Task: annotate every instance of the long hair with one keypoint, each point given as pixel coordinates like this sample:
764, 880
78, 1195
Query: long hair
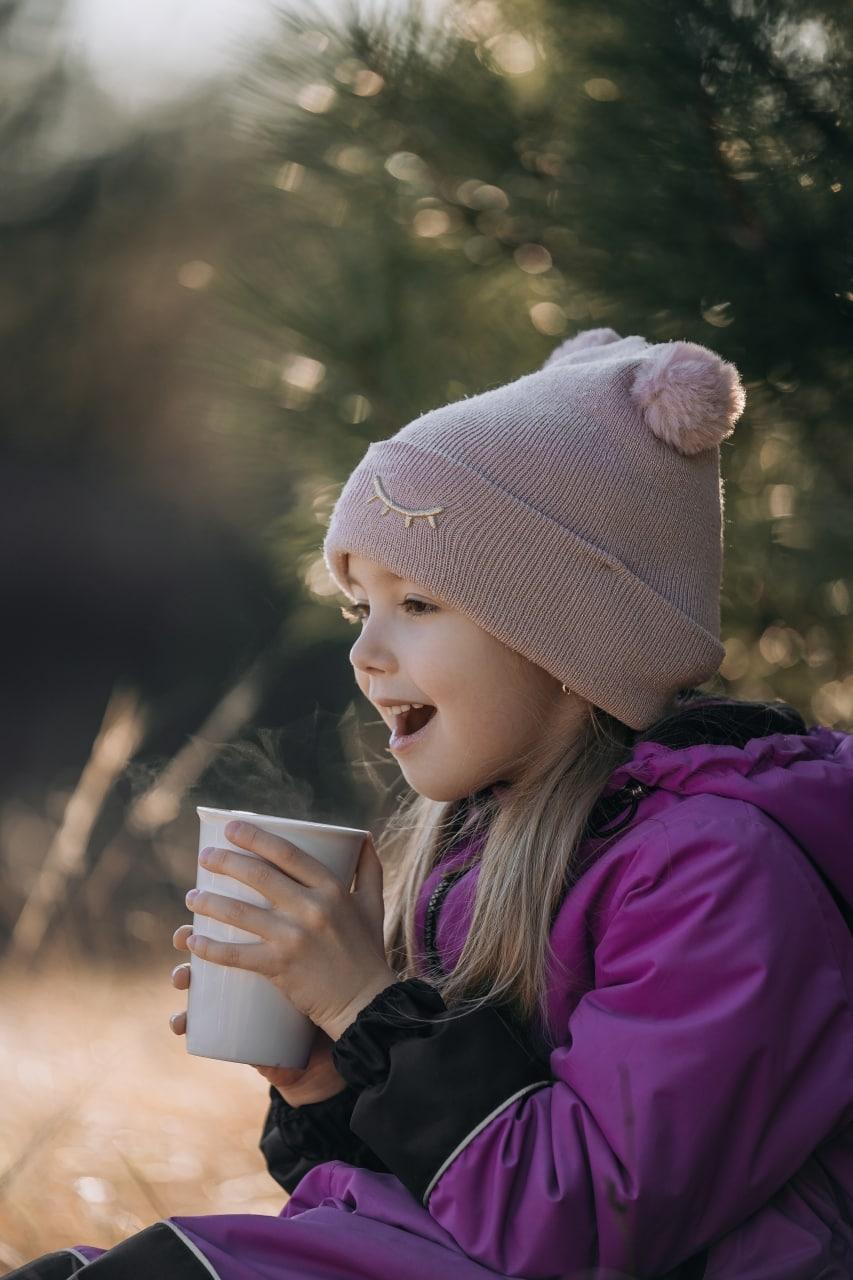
532, 842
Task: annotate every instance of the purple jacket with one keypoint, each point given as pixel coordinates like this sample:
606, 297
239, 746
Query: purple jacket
696, 1117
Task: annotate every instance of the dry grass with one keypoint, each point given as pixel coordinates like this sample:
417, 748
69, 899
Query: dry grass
107, 1123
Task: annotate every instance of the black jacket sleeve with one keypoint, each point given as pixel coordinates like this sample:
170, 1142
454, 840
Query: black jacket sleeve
426, 1078
295, 1139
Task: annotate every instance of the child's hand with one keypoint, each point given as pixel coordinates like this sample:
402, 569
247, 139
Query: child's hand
314, 1083
319, 944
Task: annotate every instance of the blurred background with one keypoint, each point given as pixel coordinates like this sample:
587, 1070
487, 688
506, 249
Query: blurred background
239, 241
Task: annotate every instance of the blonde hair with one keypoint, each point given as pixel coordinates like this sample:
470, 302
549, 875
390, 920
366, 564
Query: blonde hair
528, 861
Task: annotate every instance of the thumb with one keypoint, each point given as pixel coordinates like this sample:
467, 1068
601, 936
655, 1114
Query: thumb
368, 882
279, 1075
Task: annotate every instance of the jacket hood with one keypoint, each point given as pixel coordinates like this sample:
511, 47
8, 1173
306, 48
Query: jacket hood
803, 781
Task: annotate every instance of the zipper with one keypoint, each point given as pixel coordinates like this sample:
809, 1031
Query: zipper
436, 898
608, 809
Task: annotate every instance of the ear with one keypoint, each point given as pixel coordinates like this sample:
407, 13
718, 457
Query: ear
689, 396
586, 339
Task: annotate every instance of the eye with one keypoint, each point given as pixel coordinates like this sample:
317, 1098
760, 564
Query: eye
359, 611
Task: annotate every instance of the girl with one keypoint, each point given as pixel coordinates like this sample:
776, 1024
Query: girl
605, 1029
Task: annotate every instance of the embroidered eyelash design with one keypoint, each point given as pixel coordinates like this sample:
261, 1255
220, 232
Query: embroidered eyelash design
389, 505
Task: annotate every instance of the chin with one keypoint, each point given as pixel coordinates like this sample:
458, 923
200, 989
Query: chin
447, 792
444, 794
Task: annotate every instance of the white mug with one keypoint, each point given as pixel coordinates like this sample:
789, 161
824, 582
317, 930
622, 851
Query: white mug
237, 1015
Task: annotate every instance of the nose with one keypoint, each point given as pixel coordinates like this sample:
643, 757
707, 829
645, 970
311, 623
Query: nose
366, 655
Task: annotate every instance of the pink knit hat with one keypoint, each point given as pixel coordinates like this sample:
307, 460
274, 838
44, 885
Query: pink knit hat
575, 514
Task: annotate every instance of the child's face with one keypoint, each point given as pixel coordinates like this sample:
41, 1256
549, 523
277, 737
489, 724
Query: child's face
491, 703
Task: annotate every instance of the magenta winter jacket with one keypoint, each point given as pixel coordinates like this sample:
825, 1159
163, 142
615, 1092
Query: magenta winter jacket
696, 1118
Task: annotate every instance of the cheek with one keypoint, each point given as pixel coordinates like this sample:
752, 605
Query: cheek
474, 722
505, 721
490, 723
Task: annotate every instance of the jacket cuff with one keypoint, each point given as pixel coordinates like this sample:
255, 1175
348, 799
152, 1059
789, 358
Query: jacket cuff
296, 1139
315, 1129
431, 1078
400, 1011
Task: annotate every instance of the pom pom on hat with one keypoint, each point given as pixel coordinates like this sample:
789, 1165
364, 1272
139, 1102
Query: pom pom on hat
690, 397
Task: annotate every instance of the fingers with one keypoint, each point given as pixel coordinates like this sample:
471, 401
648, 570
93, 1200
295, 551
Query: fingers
235, 911
180, 978
288, 857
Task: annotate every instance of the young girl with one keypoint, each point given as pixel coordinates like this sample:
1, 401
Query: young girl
599, 1023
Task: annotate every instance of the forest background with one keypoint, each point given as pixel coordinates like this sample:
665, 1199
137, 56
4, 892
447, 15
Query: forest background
207, 311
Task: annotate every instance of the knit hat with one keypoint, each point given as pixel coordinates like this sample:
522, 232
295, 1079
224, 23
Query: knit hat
575, 514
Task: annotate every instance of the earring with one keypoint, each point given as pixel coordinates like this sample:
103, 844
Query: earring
565, 690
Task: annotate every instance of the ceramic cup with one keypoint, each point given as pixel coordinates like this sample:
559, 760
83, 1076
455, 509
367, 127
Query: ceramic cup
233, 1014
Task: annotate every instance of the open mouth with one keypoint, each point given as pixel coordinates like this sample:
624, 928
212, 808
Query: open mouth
410, 726
413, 720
